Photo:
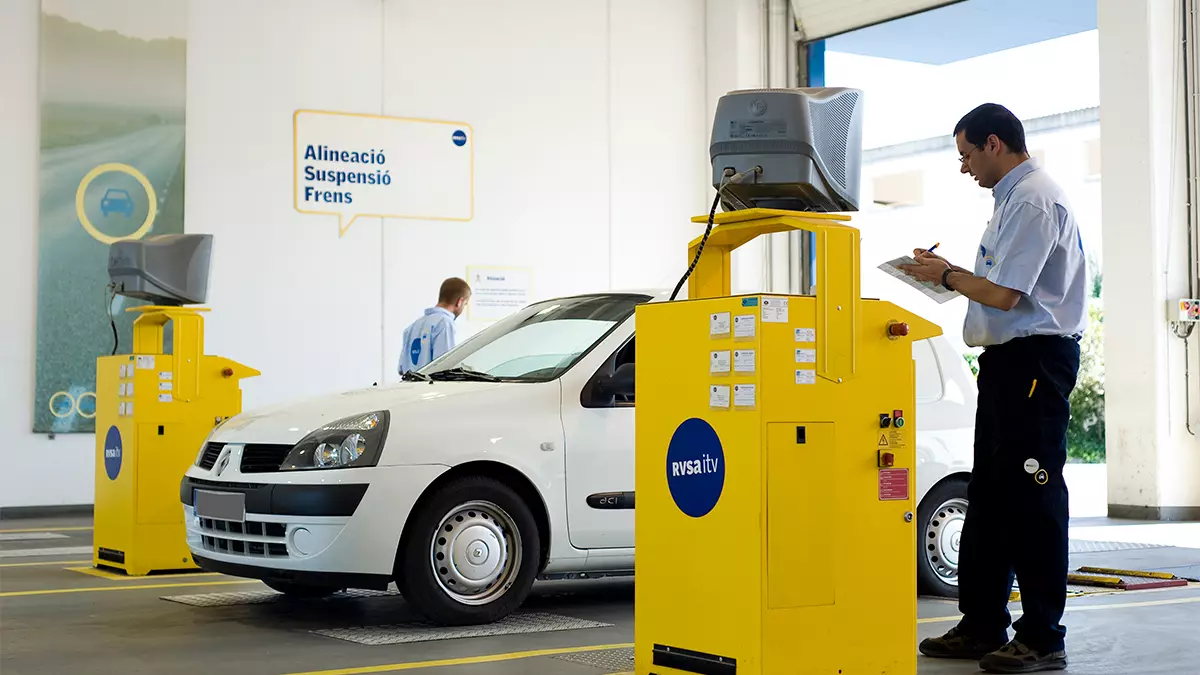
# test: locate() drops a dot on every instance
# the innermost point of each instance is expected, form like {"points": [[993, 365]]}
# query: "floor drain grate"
{"points": [[1087, 546], [264, 597], [611, 660], [405, 633]]}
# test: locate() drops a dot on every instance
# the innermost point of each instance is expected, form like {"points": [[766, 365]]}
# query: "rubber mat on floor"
{"points": [[407, 633], [610, 660], [264, 597]]}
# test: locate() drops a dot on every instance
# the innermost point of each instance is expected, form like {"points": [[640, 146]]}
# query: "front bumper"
{"points": [[343, 533]]}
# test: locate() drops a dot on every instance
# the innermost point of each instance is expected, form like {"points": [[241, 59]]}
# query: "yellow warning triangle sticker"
{"points": [[883, 441]]}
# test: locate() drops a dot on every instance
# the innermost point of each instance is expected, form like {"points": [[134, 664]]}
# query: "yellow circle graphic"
{"points": [[74, 404], [91, 229], [79, 405], [69, 398], [1041, 477]]}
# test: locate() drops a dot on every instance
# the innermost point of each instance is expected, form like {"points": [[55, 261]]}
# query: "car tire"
{"points": [[940, 519], [470, 553], [295, 590]]}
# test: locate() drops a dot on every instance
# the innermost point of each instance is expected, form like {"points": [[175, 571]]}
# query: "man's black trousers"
{"points": [[1017, 513]]}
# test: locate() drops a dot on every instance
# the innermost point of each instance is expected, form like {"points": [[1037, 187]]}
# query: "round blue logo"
{"points": [[695, 467], [460, 138], [113, 451], [414, 350]]}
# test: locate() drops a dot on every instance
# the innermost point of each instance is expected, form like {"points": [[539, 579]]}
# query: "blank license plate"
{"points": [[221, 505]]}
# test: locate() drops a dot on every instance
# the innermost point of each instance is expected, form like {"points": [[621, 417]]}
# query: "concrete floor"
{"points": [[54, 620]]}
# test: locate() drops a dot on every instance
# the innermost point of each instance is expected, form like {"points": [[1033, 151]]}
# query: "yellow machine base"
{"points": [[154, 408], [771, 482]]}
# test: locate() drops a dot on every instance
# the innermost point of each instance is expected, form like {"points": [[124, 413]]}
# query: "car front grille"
{"points": [[211, 452], [263, 458], [251, 538]]}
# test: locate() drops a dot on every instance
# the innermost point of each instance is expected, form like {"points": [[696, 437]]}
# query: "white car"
{"points": [[508, 459]]}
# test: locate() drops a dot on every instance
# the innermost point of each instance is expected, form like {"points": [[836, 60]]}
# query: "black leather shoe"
{"points": [[1016, 657], [957, 645]]}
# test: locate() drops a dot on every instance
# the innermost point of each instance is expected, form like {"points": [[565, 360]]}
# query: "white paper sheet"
{"points": [[935, 292]]}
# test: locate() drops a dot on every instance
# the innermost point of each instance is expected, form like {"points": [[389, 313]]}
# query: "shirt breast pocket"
{"points": [[986, 258]]}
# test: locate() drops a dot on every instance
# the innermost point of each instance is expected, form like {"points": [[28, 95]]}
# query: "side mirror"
{"points": [[620, 383]]}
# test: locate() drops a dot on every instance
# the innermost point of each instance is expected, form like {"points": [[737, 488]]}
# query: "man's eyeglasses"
{"points": [[963, 159]]}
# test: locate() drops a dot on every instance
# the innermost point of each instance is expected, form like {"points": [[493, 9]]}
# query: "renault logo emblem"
{"points": [[222, 462]]}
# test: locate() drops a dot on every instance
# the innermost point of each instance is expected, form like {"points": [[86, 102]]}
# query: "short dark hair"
{"points": [[452, 290], [992, 118]]}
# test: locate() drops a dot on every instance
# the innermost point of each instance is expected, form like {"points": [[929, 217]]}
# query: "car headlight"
{"points": [[350, 442]]}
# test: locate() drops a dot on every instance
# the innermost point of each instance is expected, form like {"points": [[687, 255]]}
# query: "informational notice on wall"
{"points": [[352, 165], [497, 292]]}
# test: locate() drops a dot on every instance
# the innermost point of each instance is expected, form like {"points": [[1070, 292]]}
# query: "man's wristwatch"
{"points": [[946, 277]]}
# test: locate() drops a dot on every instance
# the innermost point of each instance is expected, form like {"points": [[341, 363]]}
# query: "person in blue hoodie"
{"points": [[432, 335]]}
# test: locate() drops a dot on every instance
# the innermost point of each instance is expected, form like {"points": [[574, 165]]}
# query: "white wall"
{"points": [[26, 476], [591, 133]]}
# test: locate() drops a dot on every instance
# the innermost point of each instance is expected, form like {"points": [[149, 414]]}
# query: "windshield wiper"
{"points": [[463, 373], [414, 375]]}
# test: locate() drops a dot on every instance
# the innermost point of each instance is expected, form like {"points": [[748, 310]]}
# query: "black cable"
{"points": [[712, 214], [111, 321]]}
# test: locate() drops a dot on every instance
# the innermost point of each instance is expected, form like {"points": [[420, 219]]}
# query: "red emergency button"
{"points": [[886, 459]]}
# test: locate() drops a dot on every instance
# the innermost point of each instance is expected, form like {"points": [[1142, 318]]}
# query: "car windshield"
{"points": [[539, 342]]}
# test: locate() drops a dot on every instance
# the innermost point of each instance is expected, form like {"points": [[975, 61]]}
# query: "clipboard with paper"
{"points": [[936, 292]]}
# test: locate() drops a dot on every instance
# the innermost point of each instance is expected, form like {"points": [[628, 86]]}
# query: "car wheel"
{"points": [[301, 590], [940, 524], [471, 553]]}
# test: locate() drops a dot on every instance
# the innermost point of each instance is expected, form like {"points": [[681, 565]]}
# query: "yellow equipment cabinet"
{"points": [[775, 460], [154, 408]]}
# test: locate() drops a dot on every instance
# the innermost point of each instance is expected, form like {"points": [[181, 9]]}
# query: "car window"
{"points": [[541, 341], [929, 376]]}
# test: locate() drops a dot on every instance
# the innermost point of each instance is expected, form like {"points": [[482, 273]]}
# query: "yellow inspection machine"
{"points": [[775, 460], [154, 408]]}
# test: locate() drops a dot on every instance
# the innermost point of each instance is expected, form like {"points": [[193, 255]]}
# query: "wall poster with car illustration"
{"points": [[113, 86]]}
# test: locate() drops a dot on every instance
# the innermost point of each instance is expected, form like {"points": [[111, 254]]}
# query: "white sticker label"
{"points": [[806, 356], [129, 389], [718, 324], [806, 335], [806, 377], [121, 409], [123, 371], [743, 395], [166, 375], [1031, 466], [164, 386], [129, 409], [743, 360], [743, 325], [775, 310], [164, 398], [145, 362], [718, 396], [121, 389], [719, 362]]}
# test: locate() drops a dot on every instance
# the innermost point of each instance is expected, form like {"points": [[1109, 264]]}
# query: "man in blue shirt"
{"points": [[1028, 310], [433, 334]]}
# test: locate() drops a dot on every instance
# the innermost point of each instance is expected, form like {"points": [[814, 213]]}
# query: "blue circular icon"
{"points": [[460, 138], [695, 467], [113, 451], [414, 351]]}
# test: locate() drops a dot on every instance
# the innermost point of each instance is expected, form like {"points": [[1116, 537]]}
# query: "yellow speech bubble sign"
{"points": [[81, 212], [358, 165]]}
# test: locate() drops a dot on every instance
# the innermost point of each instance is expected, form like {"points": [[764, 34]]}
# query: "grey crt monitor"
{"points": [[807, 141], [165, 269]]}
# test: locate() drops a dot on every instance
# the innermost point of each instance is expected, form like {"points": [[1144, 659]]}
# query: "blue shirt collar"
{"points": [[1009, 181], [440, 310]]}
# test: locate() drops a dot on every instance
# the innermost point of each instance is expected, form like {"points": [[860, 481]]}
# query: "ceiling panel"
{"points": [[823, 18]]}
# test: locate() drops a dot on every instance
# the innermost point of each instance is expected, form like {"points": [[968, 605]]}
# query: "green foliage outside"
{"points": [[1085, 433]]}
